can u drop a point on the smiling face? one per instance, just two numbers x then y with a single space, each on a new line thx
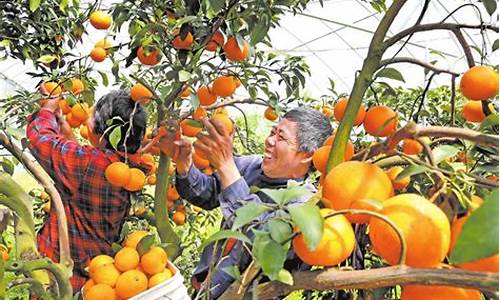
282 158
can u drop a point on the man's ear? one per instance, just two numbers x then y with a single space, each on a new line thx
307 157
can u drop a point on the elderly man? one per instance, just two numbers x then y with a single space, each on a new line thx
288 154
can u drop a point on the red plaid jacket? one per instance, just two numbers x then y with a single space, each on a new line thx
94 208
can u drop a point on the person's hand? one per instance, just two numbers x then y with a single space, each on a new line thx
178 149
64 126
52 105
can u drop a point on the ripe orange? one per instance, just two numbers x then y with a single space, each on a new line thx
100 19
186 92
151 180
84 132
179 217
424 226
126 259
270 114
190 128
234 52
51 88
225 121
72 121
217 40
473 112
88 284
106 274
221 110
104 44
154 261
140 93
200 162
366 204
336 244
5 251
64 106
80 111
438 292
479 83
134 238
320 156
136 180
172 194
205 96
380 121
151 59
237 82
199 113
185 43
487 264
159 278
223 86
99 261
131 283
353 180
117 174
148 159
100 292
327 111
98 54
400 184
340 108
77 86
412 147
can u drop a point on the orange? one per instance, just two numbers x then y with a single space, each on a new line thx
473 112
221 110
117 174
424 226
321 155
150 59
172 194
216 41
380 121
487 264
100 292
99 261
223 86
270 114
140 93
366 204
353 180
159 278
100 19
412 147
104 44
180 43
148 159
131 283
205 96
51 88
171 169
200 162
225 121
77 86
88 284
186 92
179 217
64 106
84 132
72 121
340 108
126 259
237 82
397 184
336 244
190 128
5 252
233 51
136 180
479 83
134 238
151 180
327 111
106 274
154 261
438 292
80 112
98 54
199 113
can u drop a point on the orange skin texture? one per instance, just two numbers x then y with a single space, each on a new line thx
473 112
233 51
438 292
380 121
479 83
340 107
150 59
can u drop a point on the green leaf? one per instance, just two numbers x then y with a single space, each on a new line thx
88 97
260 30
116 247
7 166
248 213
224 234
46 59
216 5
184 76
63 4
115 136
104 77
490 5
233 271
145 244
271 264
412 170
17 133
285 277
494 47
34 4
479 236
390 73
274 194
443 152
280 230
491 120
310 222
295 192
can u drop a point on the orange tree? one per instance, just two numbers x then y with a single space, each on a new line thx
200 52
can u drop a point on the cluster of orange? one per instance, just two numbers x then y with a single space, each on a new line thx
174 204
128 273
102 21
478 83
119 174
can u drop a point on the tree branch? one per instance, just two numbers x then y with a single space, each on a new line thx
465 46
329 279
415 61
44 179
